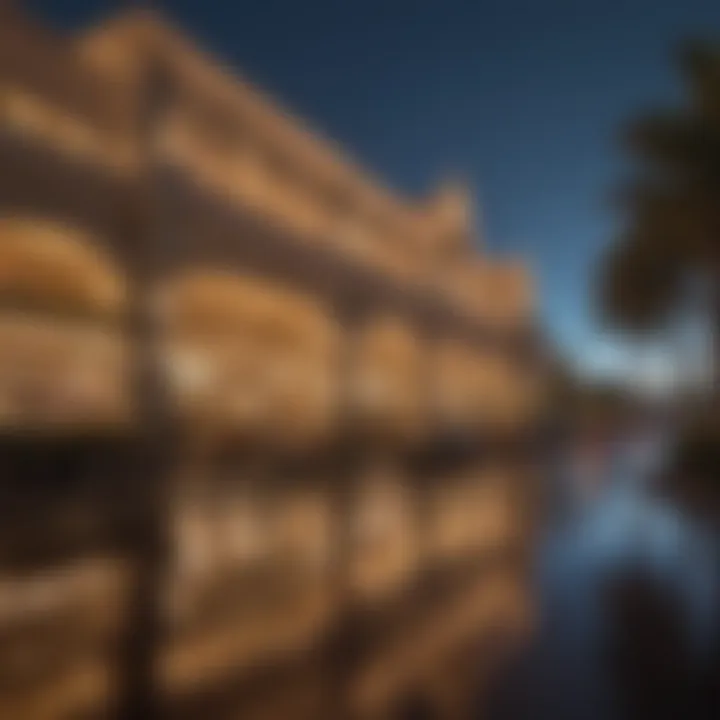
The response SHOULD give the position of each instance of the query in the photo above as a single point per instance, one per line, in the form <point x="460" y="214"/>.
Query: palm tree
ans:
<point x="669" y="245"/>
<point x="670" y="239"/>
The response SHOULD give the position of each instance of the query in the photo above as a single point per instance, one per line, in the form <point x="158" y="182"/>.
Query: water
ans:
<point x="565" y="672"/>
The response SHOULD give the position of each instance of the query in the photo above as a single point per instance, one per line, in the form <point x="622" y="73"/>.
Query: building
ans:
<point x="348" y="384"/>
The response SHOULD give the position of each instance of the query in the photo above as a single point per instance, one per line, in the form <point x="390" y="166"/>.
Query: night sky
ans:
<point x="521" y="97"/>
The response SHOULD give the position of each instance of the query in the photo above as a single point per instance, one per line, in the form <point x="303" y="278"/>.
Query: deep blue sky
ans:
<point x="523" y="97"/>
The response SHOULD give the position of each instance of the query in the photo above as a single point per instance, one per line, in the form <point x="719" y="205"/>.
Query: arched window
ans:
<point x="63" y="357"/>
<point x="262" y="358"/>
<point x="57" y="269"/>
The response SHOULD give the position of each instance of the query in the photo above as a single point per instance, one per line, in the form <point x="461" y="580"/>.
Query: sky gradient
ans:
<point x="521" y="97"/>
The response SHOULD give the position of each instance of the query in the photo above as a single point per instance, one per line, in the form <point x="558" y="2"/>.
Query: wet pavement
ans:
<point x="566" y="673"/>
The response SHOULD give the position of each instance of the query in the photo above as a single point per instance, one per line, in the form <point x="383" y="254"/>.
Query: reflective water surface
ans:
<point x="619" y="529"/>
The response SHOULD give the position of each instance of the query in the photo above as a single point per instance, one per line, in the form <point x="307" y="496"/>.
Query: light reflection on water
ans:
<point x="623" y="526"/>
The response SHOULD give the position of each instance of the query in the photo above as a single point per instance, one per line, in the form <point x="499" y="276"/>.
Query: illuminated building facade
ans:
<point x="350" y="384"/>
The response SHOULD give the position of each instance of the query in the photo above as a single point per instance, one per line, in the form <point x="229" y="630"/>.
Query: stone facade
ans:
<point x="350" y="380"/>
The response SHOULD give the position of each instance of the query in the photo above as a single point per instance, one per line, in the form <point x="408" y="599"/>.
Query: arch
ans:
<point x="60" y="373"/>
<point x="264" y="356"/>
<point x="219" y="302"/>
<point x="55" y="267"/>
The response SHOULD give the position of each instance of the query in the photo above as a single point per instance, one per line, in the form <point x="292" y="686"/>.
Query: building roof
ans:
<point x="143" y="29"/>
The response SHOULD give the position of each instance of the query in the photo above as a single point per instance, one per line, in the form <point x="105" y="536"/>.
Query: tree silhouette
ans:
<point x="670" y="205"/>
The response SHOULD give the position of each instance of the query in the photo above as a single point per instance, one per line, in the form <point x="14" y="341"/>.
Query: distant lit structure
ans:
<point x="352" y="385"/>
